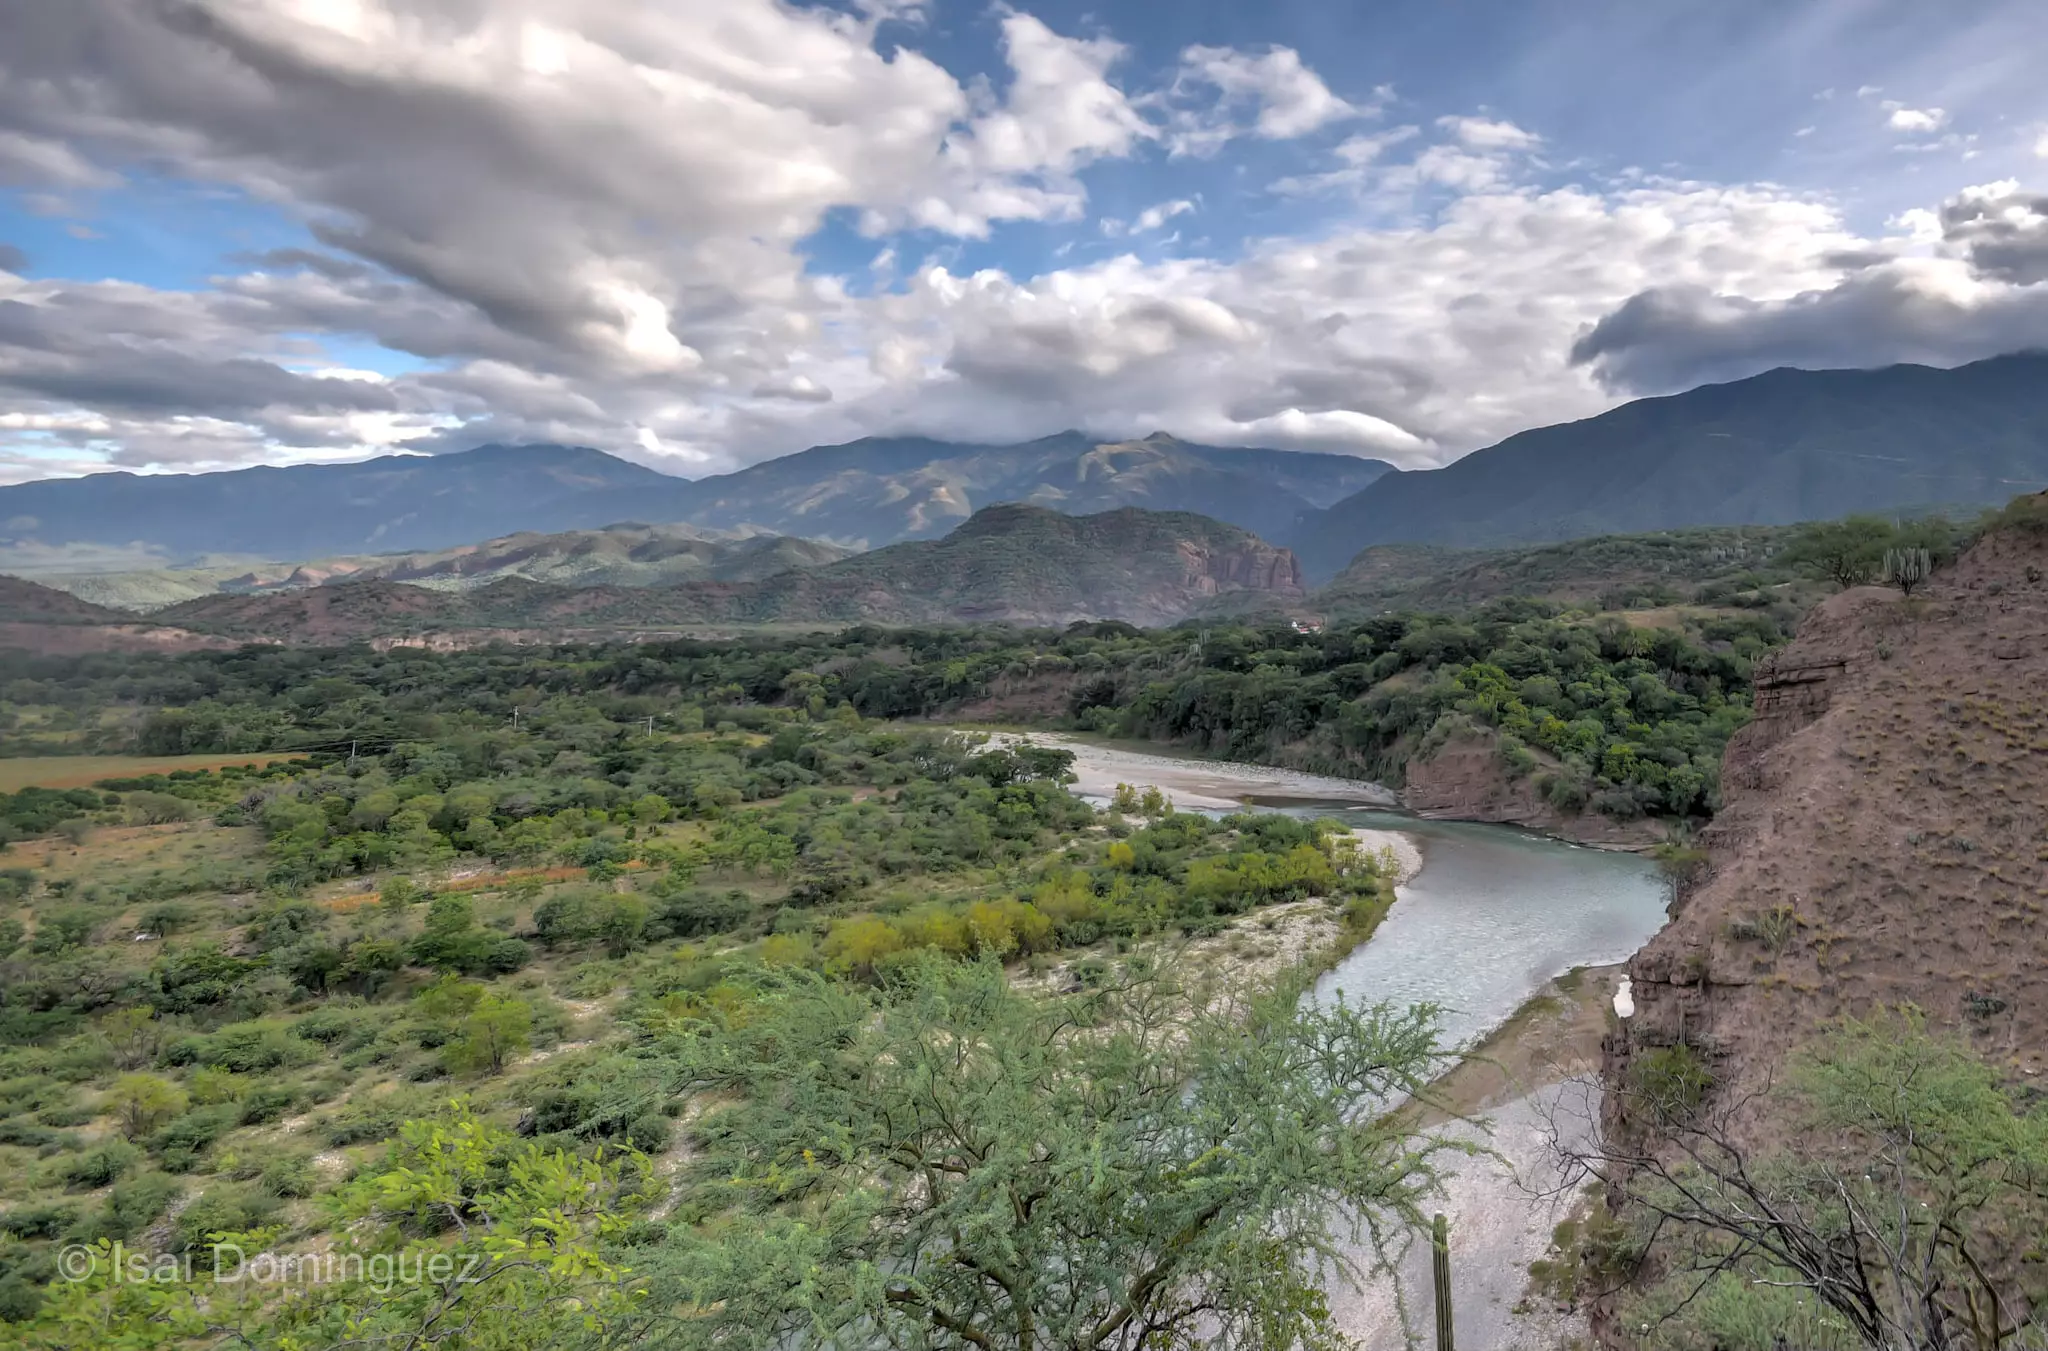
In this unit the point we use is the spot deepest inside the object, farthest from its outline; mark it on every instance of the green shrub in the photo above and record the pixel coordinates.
(134, 1205)
(289, 1175)
(1670, 1081)
(267, 1102)
(102, 1165)
(224, 1207)
(191, 1134)
(46, 1219)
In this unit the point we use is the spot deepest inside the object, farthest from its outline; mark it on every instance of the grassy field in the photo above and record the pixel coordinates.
(82, 771)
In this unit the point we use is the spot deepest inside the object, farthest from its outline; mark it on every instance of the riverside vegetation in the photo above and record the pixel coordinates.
(452, 995)
(689, 995)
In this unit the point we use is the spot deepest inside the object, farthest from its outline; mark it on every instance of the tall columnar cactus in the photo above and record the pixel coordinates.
(1440, 1257)
(1907, 568)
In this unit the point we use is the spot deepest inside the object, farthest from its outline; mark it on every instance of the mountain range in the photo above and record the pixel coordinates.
(620, 555)
(1774, 449)
(1784, 446)
(1007, 564)
(862, 495)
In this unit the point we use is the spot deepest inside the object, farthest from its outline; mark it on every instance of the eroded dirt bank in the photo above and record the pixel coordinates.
(1881, 838)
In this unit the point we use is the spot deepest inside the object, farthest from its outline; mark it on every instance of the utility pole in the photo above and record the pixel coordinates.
(351, 755)
(515, 719)
(1440, 1260)
(650, 724)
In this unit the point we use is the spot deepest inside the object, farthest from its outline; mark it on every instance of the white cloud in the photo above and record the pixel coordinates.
(1917, 121)
(1152, 217)
(1482, 133)
(1282, 97)
(1148, 220)
(1358, 154)
(2041, 146)
(1972, 292)
(1062, 113)
(587, 220)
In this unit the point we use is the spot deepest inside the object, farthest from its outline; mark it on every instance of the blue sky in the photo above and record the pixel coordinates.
(695, 233)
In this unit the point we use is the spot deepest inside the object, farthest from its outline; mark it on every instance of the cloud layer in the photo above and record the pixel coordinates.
(594, 221)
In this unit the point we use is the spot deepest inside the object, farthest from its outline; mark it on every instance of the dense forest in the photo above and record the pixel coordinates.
(1629, 720)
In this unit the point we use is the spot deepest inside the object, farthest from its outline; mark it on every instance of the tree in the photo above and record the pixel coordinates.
(1905, 1206)
(132, 1035)
(496, 1029)
(144, 1102)
(946, 1162)
(621, 924)
(1848, 552)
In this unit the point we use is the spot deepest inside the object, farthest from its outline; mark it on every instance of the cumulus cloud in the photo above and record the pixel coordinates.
(1016, 161)
(1271, 94)
(1148, 220)
(2002, 231)
(1976, 294)
(1914, 120)
(1358, 156)
(587, 221)
(1482, 133)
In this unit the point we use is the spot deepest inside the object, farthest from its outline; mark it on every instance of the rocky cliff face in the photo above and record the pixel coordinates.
(1253, 566)
(1465, 780)
(1884, 833)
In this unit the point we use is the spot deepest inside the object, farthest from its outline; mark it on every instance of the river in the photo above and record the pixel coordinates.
(1492, 916)
(1494, 913)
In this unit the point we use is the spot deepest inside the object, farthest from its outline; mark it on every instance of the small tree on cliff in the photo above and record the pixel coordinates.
(1847, 552)
(947, 1163)
(1905, 1209)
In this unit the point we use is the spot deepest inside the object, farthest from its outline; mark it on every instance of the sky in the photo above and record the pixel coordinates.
(701, 233)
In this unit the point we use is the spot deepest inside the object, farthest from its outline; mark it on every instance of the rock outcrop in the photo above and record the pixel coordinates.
(1883, 835)
(1465, 779)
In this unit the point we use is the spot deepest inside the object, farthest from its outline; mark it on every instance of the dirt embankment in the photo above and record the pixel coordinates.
(69, 640)
(1883, 837)
(1465, 779)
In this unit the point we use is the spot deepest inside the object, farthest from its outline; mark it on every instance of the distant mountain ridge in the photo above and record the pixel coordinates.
(862, 495)
(312, 511)
(1777, 448)
(629, 554)
(1011, 564)
(886, 489)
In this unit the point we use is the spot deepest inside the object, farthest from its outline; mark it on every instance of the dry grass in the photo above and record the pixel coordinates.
(82, 771)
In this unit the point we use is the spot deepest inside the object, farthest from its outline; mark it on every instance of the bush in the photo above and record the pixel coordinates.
(289, 1175)
(1670, 1081)
(97, 1167)
(156, 809)
(699, 914)
(47, 1220)
(222, 1208)
(267, 1102)
(134, 1205)
(190, 1135)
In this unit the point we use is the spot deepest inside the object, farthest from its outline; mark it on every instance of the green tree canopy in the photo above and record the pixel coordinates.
(946, 1162)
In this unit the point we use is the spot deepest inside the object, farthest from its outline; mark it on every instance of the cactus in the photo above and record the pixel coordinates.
(1440, 1257)
(1907, 568)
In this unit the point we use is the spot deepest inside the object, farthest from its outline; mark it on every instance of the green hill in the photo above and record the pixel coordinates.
(1617, 570)
(1009, 564)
